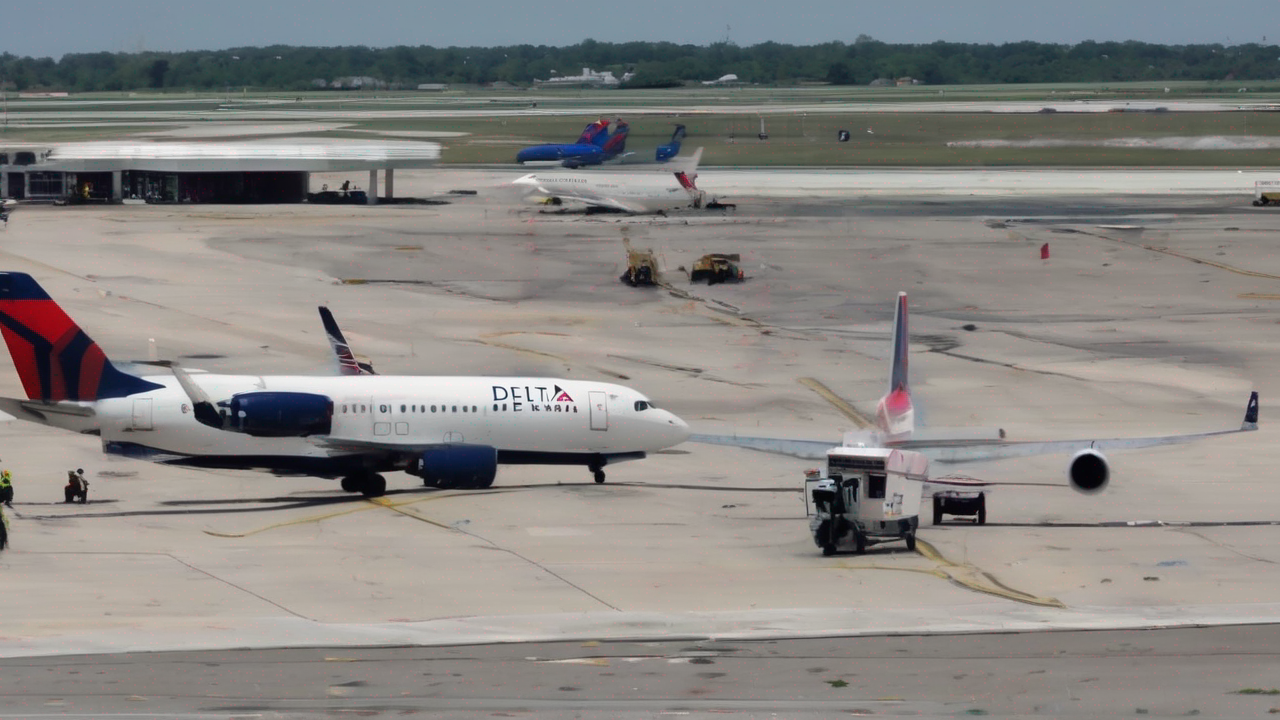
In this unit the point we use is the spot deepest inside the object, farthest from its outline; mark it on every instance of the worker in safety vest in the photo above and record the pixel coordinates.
(6, 488)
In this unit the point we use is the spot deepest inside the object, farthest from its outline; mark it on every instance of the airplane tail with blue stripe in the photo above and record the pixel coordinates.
(55, 359)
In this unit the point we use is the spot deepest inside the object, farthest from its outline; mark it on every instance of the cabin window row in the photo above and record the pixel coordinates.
(407, 409)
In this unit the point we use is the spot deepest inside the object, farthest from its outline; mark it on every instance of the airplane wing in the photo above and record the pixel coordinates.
(348, 364)
(963, 451)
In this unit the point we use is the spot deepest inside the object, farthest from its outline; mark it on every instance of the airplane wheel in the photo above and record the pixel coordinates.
(982, 509)
(859, 542)
(937, 511)
(351, 484)
(374, 485)
(598, 475)
(828, 550)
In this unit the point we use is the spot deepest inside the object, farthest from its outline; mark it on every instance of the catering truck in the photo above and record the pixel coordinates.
(865, 496)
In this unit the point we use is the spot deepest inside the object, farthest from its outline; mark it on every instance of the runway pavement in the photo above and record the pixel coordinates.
(1163, 327)
(1211, 672)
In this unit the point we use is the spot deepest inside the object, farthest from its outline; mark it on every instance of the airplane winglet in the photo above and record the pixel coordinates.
(1251, 413)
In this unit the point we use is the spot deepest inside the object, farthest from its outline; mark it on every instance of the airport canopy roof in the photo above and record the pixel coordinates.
(269, 156)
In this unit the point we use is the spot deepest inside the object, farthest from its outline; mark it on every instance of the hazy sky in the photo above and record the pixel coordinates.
(45, 28)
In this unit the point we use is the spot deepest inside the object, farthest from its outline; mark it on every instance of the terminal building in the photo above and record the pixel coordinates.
(208, 172)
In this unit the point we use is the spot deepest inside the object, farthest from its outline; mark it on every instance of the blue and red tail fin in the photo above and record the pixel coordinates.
(617, 142)
(595, 133)
(895, 415)
(348, 363)
(55, 359)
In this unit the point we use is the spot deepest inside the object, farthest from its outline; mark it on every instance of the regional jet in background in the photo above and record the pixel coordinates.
(644, 191)
(448, 431)
(1087, 471)
(594, 146)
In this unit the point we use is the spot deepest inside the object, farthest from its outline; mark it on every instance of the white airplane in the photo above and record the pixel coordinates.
(673, 188)
(449, 431)
(1087, 471)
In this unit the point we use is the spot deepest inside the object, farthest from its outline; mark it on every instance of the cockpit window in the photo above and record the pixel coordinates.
(642, 405)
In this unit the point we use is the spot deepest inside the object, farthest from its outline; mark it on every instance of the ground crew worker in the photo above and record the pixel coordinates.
(84, 486)
(4, 530)
(6, 488)
(76, 488)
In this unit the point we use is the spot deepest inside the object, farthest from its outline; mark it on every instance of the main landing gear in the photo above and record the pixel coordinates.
(597, 471)
(367, 484)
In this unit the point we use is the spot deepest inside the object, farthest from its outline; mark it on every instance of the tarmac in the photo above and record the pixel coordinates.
(1211, 672)
(1154, 314)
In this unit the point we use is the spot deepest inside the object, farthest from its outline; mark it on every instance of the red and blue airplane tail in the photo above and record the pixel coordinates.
(55, 359)
(617, 142)
(596, 133)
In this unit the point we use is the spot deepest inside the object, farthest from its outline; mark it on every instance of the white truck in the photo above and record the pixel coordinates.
(1266, 192)
(866, 496)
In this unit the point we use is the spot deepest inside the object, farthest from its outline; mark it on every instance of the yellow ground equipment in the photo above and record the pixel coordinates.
(717, 268)
(642, 266)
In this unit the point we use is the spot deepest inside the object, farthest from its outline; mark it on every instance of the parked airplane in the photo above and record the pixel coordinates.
(1087, 471)
(672, 148)
(449, 431)
(722, 80)
(593, 147)
(633, 192)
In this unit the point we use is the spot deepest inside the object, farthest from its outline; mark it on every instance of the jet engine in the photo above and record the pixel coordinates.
(1088, 472)
(456, 466)
(278, 414)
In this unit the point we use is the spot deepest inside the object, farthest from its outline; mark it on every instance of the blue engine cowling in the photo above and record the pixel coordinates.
(456, 466)
(279, 414)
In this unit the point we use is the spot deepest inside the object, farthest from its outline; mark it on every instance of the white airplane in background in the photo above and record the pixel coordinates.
(1087, 470)
(449, 431)
(673, 188)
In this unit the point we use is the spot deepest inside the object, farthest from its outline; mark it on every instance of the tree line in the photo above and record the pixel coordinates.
(655, 64)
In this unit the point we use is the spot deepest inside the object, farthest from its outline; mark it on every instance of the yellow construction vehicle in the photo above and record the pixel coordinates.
(717, 268)
(642, 266)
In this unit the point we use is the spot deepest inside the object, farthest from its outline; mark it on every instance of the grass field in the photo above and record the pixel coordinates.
(724, 121)
(909, 139)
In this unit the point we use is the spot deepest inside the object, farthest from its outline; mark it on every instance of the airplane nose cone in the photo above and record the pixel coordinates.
(677, 430)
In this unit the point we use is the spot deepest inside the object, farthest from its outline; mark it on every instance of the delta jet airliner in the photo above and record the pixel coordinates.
(449, 431)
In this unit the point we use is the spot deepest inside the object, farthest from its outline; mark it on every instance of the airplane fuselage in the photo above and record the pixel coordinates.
(527, 420)
(651, 191)
(582, 153)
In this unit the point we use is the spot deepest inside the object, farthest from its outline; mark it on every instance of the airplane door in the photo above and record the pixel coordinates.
(142, 414)
(599, 410)
(381, 417)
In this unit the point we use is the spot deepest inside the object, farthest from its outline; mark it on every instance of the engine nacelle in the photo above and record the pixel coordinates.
(279, 414)
(1088, 472)
(457, 466)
